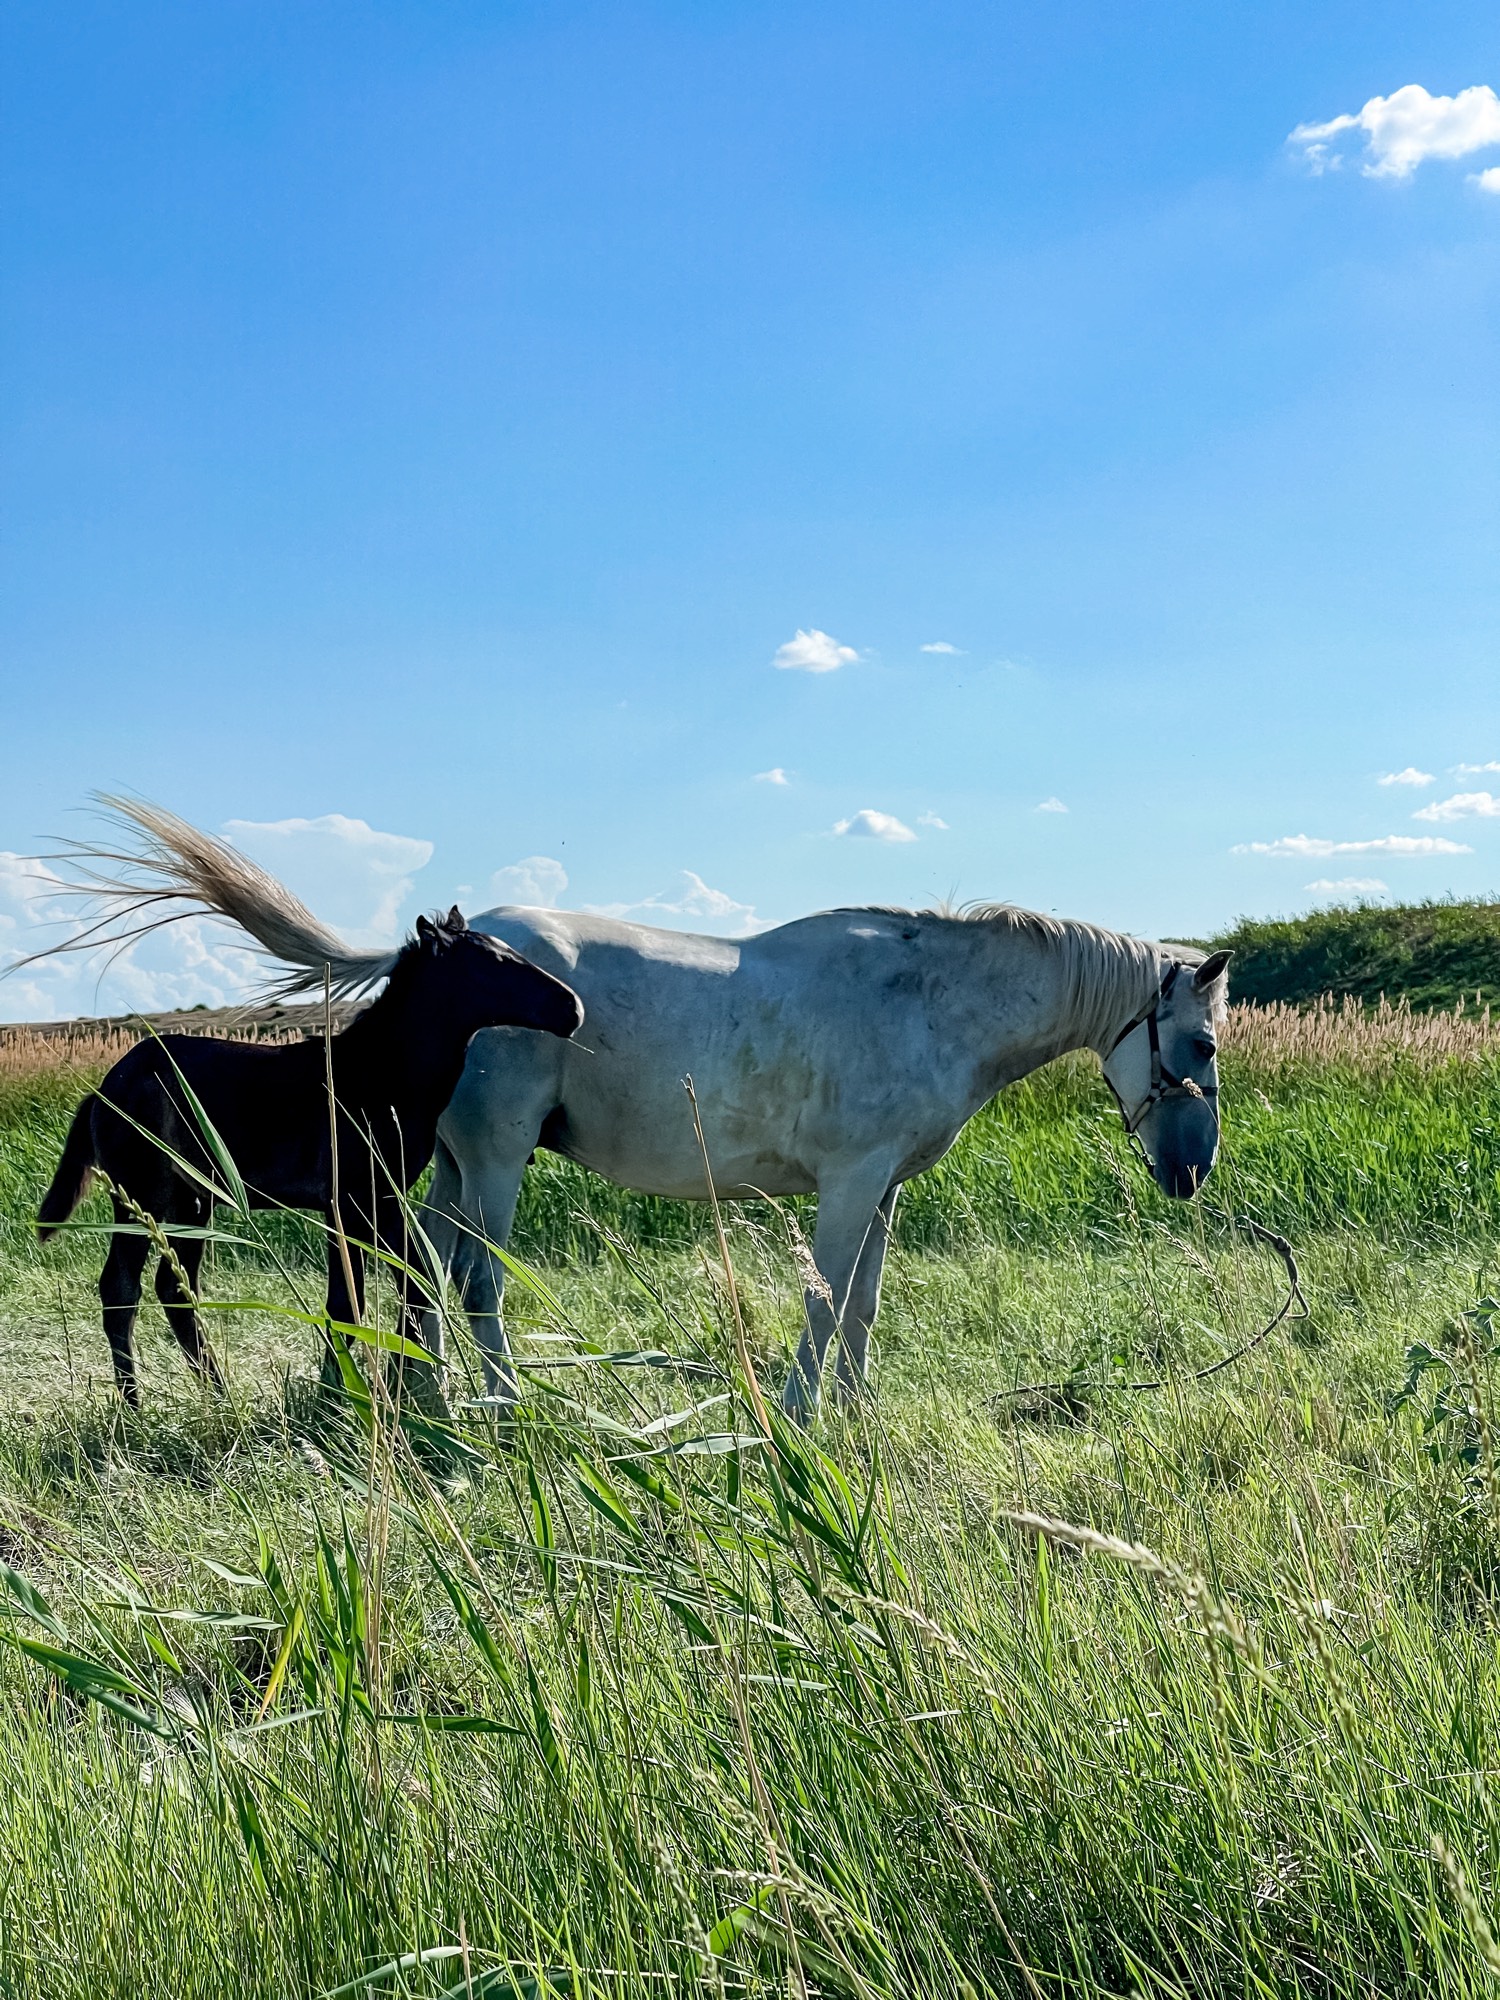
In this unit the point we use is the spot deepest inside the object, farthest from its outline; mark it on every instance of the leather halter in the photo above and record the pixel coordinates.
(1163, 1083)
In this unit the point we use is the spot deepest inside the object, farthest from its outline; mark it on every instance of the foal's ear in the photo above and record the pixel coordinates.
(454, 921)
(426, 933)
(1211, 969)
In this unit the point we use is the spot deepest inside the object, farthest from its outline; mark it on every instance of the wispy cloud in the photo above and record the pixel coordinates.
(1052, 805)
(1462, 805)
(537, 883)
(1348, 885)
(868, 824)
(813, 653)
(1474, 770)
(1487, 182)
(1404, 129)
(1410, 776)
(941, 646)
(775, 776)
(1304, 847)
(692, 898)
(932, 820)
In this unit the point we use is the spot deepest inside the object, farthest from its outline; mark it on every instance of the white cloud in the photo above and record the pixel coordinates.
(814, 653)
(187, 963)
(932, 820)
(942, 646)
(692, 898)
(1355, 885)
(1488, 182)
(534, 884)
(1052, 805)
(1304, 847)
(1462, 805)
(1410, 776)
(868, 824)
(1402, 130)
(1474, 770)
(355, 877)
(775, 776)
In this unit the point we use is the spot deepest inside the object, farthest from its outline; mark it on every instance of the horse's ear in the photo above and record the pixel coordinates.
(454, 920)
(426, 932)
(1211, 969)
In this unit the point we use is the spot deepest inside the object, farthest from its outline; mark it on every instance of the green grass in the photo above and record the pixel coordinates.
(614, 1717)
(1435, 954)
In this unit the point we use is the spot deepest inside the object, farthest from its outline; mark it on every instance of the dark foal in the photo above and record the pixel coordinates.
(394, 1068)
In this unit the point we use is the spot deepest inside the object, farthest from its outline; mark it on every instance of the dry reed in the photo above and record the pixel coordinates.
(1347, 1033)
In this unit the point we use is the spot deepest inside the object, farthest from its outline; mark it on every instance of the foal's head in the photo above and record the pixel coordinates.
(464, 980)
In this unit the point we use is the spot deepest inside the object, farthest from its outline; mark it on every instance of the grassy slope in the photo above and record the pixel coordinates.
(877, 1712)
(1436, 954)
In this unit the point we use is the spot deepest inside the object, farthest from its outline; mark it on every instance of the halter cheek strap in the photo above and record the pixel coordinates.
(1163, 1083)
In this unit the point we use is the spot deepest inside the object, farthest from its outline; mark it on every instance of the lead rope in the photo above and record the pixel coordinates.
(1294, 1297)
(1132, 1122)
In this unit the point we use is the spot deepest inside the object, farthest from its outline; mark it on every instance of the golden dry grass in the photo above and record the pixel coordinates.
(1346, 1033)
(87, 1048)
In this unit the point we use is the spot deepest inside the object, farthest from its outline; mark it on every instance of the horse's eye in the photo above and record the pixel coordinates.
(1204, 1047)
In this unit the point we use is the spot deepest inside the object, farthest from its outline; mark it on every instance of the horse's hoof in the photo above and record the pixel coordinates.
(799, 1403)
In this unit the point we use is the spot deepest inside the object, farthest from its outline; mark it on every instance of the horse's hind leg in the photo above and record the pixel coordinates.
(120, 1296)
(177, 1289)
(863, 1304)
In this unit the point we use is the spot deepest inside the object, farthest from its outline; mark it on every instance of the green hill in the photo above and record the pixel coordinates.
(1433, 953)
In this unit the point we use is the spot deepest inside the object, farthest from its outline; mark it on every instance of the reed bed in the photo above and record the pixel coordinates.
(84, 1052)
(1351, 1035)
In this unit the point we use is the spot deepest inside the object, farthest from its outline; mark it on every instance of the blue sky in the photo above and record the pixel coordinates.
(426, 426)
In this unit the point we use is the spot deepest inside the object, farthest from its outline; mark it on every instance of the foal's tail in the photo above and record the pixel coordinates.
(177, 864)
(74, 1172)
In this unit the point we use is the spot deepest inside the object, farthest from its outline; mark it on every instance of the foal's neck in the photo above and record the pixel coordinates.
(401, 1052)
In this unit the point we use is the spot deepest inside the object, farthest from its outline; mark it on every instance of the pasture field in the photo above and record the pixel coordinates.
(1078, 1692)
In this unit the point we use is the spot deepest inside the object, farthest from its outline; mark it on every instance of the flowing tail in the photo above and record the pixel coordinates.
(177, 864)
(74, 1172)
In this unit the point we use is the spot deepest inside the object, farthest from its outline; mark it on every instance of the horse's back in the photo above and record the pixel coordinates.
(795, 1039)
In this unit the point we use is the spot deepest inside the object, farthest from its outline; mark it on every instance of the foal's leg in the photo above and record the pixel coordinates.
(120, 1296)
(343, 1305)
(420, 1382)
(178, 1303)
(863, 1304)
(846, 1210)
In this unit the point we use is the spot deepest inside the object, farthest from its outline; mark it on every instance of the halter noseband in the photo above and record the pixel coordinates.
(1163, 1083)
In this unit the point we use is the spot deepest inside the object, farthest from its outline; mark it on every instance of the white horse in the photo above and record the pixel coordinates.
(837, 1055)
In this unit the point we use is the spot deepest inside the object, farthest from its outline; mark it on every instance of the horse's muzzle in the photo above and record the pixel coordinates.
(1183, 1147)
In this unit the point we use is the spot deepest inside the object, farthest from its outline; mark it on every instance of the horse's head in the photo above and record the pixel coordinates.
(476, 981)
(1164, 1071)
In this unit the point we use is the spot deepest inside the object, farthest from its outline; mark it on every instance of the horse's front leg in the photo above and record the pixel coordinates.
(863, 1303)
(847, 1203)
